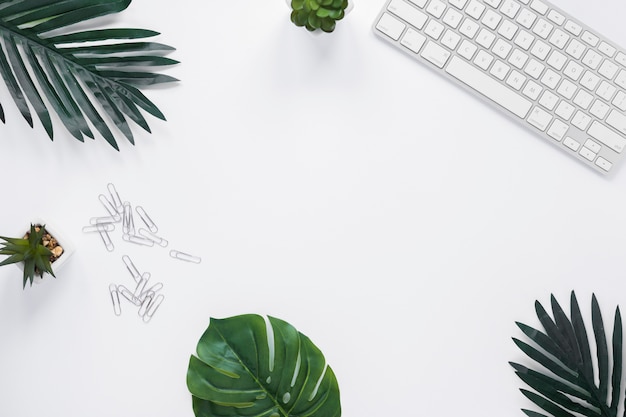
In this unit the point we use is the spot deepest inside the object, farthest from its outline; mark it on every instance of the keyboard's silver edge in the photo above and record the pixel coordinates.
(520, 121)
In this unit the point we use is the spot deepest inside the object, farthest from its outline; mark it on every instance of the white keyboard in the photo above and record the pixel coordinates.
(545, 69)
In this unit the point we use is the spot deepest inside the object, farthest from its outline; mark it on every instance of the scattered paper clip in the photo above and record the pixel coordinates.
(115, 298)
(131, 268)
(141, 285)
(107, 227)
(128, 294)
(115, 197)
(138, 240)
(108, 243)
(102, 220)
(185, 256)
(128, 224)
(110, 208)
(156, 239)
(146, 219)
(152, 308)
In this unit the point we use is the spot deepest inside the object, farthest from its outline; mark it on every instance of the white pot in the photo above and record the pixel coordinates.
(64, 242)
(319, 31)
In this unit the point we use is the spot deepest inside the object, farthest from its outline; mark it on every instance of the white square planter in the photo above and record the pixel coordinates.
(64, 242)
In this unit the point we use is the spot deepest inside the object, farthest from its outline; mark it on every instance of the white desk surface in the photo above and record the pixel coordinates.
(330, 181)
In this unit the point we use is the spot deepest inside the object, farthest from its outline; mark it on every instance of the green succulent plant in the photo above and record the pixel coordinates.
(318, 14)
(89, 78)
(29, 250)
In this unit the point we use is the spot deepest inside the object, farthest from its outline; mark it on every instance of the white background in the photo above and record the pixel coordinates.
(330, 181)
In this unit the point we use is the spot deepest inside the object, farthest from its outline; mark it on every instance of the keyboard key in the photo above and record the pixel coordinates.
(390, 26)
(587, 154)
(534, 69)
(558, 130)
(510, 8)
(571, 143)
(539, 6)
(606, 91)
(500, 70)
(501, 49)
(467, 49)
(607, 136)
(607, 49)
(608, 69)
(518, 59)
(413, 40)
(483, 60)
(567, 89)
(604, 164)
(559, 38)
(581, 120)
(408, 13)
(590, 38)
(593, 146)
(573, 70)
(475, 9)
(540, 119)
(575, 49)
(436, 54)
(452, 18)
(516, 80)
(556, 17)
(592, 59)
(540, 50)
(620, 101)
(469, 28)
(488, 87)
(485, 38)
(526, 18)
(548, 100)
(550, 79)
(557, 60)
(589, 80)
(459, 4)
(543, 28)
(532, 90)
(621, 58)
(491, 19)
(524, 40)
(573, 28)
(507, 29)
(450, 40)
(599, 109)
(583, 99)
(621, 79)
(436, 8)
(419, 3)
(565, 110)
(434, 29)
(617, 121)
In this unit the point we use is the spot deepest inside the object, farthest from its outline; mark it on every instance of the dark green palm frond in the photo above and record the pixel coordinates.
(573, 378)
(86, 77)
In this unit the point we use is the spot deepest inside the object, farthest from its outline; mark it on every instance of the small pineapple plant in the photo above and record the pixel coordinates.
(37, 250)
(318, 14)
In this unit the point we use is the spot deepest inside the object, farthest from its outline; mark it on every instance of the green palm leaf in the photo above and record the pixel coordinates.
(85, 77)
(570, 381)
(247, 367)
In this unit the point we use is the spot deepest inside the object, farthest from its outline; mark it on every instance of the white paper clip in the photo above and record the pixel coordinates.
(102, 220)
(146, 219)
(185, 256)
(131, 268)
(126, 293)
(107, 227)
(115, 197)
(154, 289)
(108, 243)
(115, 298)
(128, 224)
(152, 308)
(109, 207)
(138, 240)
(145, 304)
(156, 239)
(141, 285)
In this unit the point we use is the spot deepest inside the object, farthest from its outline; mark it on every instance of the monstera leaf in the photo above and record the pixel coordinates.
(570, 382)
(89, 75)
(247, 366)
